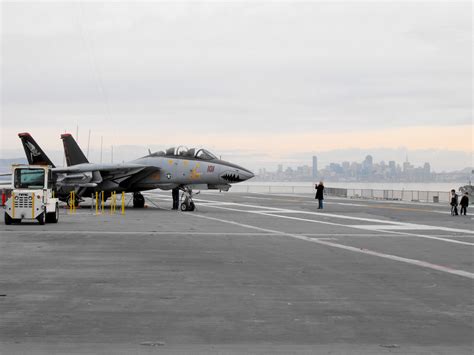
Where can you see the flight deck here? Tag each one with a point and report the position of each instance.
(243, 273)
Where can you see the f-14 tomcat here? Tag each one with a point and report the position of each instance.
(176, 168)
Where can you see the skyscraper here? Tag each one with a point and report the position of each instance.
(315, 166)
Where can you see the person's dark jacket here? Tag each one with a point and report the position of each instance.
(464, 201)
(454, 200)
(319, 192)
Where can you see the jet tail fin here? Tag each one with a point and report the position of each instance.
(34, 153)
(72, 151)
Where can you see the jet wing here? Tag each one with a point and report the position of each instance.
(109, 168)
(108, 175)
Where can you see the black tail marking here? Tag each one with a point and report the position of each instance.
(34, 153)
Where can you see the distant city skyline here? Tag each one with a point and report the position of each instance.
(366, 170)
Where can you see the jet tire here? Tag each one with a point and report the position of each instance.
(192, 206)
(71, 203)
(184, 207)
(138, 201)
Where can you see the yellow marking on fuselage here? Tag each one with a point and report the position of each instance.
(170, 162)
(195, 174)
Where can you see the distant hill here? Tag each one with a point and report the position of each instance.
(5, 164)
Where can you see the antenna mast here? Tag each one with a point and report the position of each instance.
(101, 146)
(88, 144)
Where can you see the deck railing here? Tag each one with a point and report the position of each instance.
(373, 194)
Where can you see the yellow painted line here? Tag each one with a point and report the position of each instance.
(13, 204)
(123, 202)
(33, 206)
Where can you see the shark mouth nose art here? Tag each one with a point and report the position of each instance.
(232, 177)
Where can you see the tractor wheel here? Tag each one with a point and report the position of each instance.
(8, 219)
(53, 217)
(42, 218)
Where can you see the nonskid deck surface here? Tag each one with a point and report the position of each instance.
(244, 273)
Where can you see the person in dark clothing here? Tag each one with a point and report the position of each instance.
(319, 194)
(175, 194)
(454, 203)
(464, 203)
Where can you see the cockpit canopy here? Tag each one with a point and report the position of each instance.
(182, 151)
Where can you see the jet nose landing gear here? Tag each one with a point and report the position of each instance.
(188, 203)
(190, 206)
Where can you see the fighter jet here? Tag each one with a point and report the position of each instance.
(176, 168)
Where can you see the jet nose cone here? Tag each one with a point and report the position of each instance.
(245, 175)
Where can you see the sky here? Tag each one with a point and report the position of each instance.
(259, 82)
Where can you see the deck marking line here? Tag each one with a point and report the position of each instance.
(134, 233)
(402, 225)
(381, 228)
(425, 264)
(415, 226)
(347, 204)
(390, 227)
(455, 241)
(344, 225)
(368, 202)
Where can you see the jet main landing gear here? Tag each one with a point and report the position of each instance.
(188, 203)
(138, 200)
(73, 202)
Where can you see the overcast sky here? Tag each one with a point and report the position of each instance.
(277, 79)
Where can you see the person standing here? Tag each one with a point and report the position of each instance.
(320, 194)
(454, 203)
(464, 203)
(175, 194)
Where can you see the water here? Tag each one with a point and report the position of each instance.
(407, 186)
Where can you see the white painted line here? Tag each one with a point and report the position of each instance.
(259, 198)
(332, 215)
(386, 224)
(132, 233)
(349, 248)
(454, 241)
(385, 227)
(349, 235)
(263, 211)
(366, 202)
(272, 211)
(347, 204)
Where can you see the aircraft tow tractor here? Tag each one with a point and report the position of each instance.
(32, 195)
